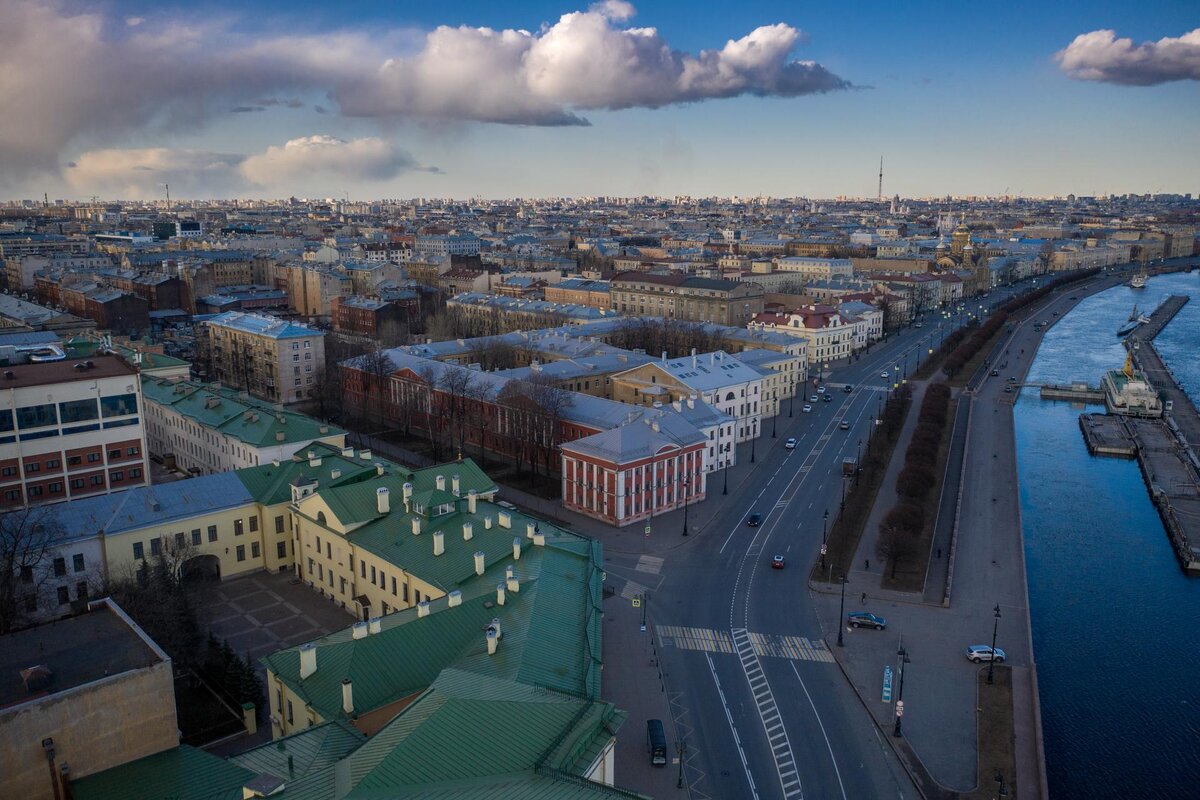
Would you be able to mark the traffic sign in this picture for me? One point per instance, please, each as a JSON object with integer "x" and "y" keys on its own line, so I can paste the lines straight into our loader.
{"x": 647, "y": 531}
{"x": 899, "y": 708}
{"x": 637, "y": 602}
{"x": 887, "y": 684}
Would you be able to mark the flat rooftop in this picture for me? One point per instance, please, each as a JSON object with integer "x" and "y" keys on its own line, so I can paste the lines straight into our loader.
{"x": 63, "y": 371}
{"x": 77, "y": 650}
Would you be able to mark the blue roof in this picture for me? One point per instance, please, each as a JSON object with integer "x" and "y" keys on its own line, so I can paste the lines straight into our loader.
{"x": 264, "y": 325}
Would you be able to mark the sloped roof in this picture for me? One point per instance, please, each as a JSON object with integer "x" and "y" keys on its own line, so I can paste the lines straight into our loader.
{"x": 181, "y": 773}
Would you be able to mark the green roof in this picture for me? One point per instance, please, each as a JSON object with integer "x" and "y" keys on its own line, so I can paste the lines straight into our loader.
{"x": 310, "y": 751}
{"x": 182, "y": 773}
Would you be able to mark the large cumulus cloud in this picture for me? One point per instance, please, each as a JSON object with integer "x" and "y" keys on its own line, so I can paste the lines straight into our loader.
{"x": 75, "y": 76}
{"x": 1101, "y": 56}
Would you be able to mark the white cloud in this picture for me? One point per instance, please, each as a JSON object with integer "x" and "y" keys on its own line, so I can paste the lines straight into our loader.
{"x": 141, "y": 173}
{"x": 81, "y": 77}
{"x": 1101, "y": 56}
{"x": 367, "y": 159}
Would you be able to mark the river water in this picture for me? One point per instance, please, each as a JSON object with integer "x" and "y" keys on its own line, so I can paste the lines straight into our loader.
{"x": 1116, "y": 623}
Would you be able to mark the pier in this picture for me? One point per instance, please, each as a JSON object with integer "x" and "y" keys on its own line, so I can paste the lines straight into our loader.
{"x": 1077, "y": 392}
{"x": 1107, "y": 435}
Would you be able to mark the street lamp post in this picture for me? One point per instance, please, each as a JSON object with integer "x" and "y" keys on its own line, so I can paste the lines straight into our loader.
{"x": 842, "y": 613}
{"x": 995, "y": 626}
{"x": 824, "y": 540}
{"x": 904, "y": 659}
{"x": 685, "y": 505}
{"x": 681, "y": 746}
{"x": 775, "y": 416}
{"x": 842, "y": 507}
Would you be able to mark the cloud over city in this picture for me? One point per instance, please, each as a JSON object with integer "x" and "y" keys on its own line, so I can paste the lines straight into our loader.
{"x": 1100, "y": 56}
{"x": 86, "y": 79}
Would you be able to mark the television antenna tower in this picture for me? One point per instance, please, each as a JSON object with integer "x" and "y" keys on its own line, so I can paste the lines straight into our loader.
{"x": 879, "y": 196}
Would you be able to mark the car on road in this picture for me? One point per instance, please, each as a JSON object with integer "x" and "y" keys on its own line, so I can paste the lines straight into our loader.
{"x": 807, "y": 408}
{"x": 778, "y": 562}
{"x": 865, "y": 619}
{"x": 995, "y": 373}
{"x": 883, "y": 375}
{"x": 754, "y": 520}
{"x": 981, "y": 652}
{"x": 790, "y": 444}
{"x": 1008, "y": 390}
{"x": 820, "y": 390}
{"x": 828, "y": 398}
{"x": 847, "y": 388}
{"x": 844, "y": 425}
{"x": 813, "y": 399}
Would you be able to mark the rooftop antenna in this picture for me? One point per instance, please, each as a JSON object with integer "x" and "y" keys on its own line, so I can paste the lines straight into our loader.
{"x": 879, "y": 197}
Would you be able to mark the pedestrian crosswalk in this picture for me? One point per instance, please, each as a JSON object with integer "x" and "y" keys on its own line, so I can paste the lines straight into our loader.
{"x": 650, "y": 564}
{"x": 768, "y": 645}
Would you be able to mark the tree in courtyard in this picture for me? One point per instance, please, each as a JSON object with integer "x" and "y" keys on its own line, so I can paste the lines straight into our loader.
{"x": 376, "y": 366}
{"x": 28, "y": 539}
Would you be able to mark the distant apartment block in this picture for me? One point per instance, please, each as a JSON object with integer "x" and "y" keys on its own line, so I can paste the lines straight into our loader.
{"x": 683, "y": 297}
{"x": 580, "y": 291}
{"x": 816, "y": 268}
{"x": 446, "y": 244}
{"x": 69, "y": 429}
{"x": 268, "y": 357}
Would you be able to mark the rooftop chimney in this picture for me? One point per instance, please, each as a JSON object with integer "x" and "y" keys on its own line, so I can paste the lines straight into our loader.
{"x": 365, "y": 455}
{"x": 487, "y": 522}
{"x": 347, "y": 696}
{"x": 472, "y": 499}
{"x": 479, "y": 558}
{"x": 454, "y": 598}
{"x": 539, "y": 539}
{"x": 374, "y": 625}
{"x": 516, "y": 549}
{"x": 416, "y": 526}
{"x": 468, "y": 531}
{"x": 439, "y": 543}
{"x": 314, "y": 462}
{"x": 693, "y": 358}
{"x": 512, "y": 584}
{"x": 529, "y": 526}
{"x": 423, "y": 608}
{"x": 493, "y": 639}
{"x": 348, "y": 452}
{"x": 359, "y": 630}
{"x": 499, "y": 594}
{"x": 308, "y": 660}
{"x": 382, "y": 501}
{"x": 455, "y": 485}
{"x": 505, "y": 519}
{"x": 440, "y": 482}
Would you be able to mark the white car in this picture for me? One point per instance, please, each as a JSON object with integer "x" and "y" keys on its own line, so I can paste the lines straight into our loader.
{"x": 981, "y": 652}
{"x": 807, "y": 408}
{"x": 813, "y": 399}
{"x": 820, "y": 390}
{"x": 883, "y": 375}
{"x": 790, "y": 444}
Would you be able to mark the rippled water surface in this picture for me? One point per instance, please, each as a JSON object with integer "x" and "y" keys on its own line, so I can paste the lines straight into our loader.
{"x": 1116, "y": 623}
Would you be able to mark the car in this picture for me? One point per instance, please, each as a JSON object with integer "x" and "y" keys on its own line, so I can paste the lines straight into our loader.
{"x": 847, "y": 388}
{"x": 807, "y": 408}
{"x": 995, "y": 373}
{"x": 883, "y": 374}
{"x": 1056, "y": 313}
{"x": 844, "y": 425}
{"x": 1008, "y": 390}
{"x": 790, "y": 444}
{"x": 919, "y": 325}
{"x": 828, "y": 398}
{"x": 813, "y": 399}
{"x": 1011, "y": 379}
{"x": 778, "y": 562}
{"x": 981, "y": 652}
{"x": 865, "y": 619}
{"x": 754, "y": 520}
{"x": 820, "y": 390}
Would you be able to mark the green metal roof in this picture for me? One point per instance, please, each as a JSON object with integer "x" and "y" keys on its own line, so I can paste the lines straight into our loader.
{"x": 182, "y": 773}
{"x": 311, "y": 750}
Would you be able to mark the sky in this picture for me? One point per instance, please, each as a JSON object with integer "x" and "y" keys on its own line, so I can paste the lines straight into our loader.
{"x": 405, "y": 98}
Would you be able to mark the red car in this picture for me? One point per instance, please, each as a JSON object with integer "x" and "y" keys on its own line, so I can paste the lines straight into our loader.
{"x": 777, "y": 562}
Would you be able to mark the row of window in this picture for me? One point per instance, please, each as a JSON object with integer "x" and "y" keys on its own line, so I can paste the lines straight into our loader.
{"x": 56, "y": 487}
{"x": 63, "y": 596}
{"x": 39, "y": 416}
{"x": 139, "y": 550}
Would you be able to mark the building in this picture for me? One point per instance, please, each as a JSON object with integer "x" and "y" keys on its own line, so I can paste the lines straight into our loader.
{"x": 69, "y": 429}
{"x": 683, "y": 297}
{"x": 830, "y": 334}
{"x": 816, "y": 268}
{"x": 379, "y": 320}
{"x": 79, "y": 696}
{"x": 21, "y": 271}
{"x": 445, "y": 245}
{"x": 268, "y": 357}
{"x": 202, "y": 429}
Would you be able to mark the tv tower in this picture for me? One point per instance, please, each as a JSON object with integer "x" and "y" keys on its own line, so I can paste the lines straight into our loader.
{"x": 879, "y": 196}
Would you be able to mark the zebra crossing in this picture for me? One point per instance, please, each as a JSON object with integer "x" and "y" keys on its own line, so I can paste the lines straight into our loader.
{"x": 765, "y": 645}
{"x": 768, "y": 712}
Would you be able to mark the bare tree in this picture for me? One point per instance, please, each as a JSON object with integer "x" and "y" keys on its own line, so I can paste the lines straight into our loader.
{"x": 27, "y": 553}
{"x": 552, "y": 402}
{"x": 480, "y": 393}
{"x": 894, "y": 545}
{"x": 455, "y": 386}
{"x": 327, "y": 391}
{"x": 429, "y": 406}
{"x": 376, "y": 367}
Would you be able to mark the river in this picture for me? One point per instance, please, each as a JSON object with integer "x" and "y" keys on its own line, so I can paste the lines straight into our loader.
{"x": 1116, "y": 623}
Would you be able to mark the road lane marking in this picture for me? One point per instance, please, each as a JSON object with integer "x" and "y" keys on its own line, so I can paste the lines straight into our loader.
{"x": 729, "y": 718}
{"x": 651, "y": 564}
{"x": 768, "y": 714}
{"x": 832, "y": 757}
{"x": 766, "y": 645}
{"x": 632, "y": 590}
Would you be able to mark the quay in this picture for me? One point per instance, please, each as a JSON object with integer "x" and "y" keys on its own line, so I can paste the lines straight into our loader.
{"x": 1078, "y": 392}
{"x": 1107, "y": 435}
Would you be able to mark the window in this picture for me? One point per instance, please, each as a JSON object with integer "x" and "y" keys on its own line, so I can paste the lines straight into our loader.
{"x": 241, "y": 552}
{"x": 81, "y": 590}
{"x": 372, "y": 574}
{"x": 64, "y": 596}
{"x": 179, "y": 540}
{"x": 155, "y": 546}
{"x": 393, "y": 586}
{"x": 132, "y": 451}
{"x": 30, "y": 603}
{"x": 36, "y": 416}
{"x": 53, "y": 463}
{"x": 118, "y": 475}
{"x": 77, "y": 562}
{"x": 138, "y": 552}
{"x": 196, "y": 537}
{"x": 254, "y": 551}
{"x": 281, "y": 549}
{"x": 363, "y": 566}
{"x": 114, "y": 453}
{"x": 60, "y": 566}
{"x": 238, "y": 527}
{"x": 33, "y": 466}
{"x": 35, "y": 491}
{"x": 6, "y": 420}
{"x": 136, "y": 472}
{"x": 118, "y": 405}
{"x": 74, "y": 461}
{"x": 404, "y": 591}
{"x": 289, "y": 712}
{"x": 8, "y": 472}
{"x": 417, "y": 596}
{"x": 93, "y": 458}
{"x": 279, "y": 524}
{"x": 97, "y": 480}
{"x": 212, "y": 533}
{"x": 253, "y": 524}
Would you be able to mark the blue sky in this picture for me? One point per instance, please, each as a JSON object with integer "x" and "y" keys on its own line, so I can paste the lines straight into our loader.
{"x": 958, "y": 100}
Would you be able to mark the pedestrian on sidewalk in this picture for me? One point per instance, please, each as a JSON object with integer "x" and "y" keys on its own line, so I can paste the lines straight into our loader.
{"x": 864, "y": 598}
{"x": 868, "y": 563}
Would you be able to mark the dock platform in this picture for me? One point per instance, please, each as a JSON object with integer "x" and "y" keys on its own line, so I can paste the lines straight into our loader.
{"x": 1106, "y": 435}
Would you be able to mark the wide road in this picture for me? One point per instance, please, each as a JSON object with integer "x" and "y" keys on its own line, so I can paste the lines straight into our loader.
{"x": 765, "y": 711}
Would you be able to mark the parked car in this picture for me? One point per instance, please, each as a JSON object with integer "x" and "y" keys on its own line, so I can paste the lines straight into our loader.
{"x": 995, "y": 373}
{"x": 777, "y": 562}
{"x": 813, "y": 399}
{"x": 883, "y": 374}
{"x": 865, "y": 619}
{"x": 820, "y": 390}
{"x": 807, "y": 408}
{"x": 754, "y": 520}
{"x": 981, "y": 652}
{"x": 844, "y": 425}
{"x": 790, "y": 444}
{"x": 1008, "y": 390}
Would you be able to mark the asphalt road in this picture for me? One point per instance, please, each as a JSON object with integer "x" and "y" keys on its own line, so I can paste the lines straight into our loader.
{"x": 764, "y": 710}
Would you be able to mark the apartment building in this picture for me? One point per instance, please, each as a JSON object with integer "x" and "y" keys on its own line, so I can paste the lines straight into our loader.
{"x": 830, "y": 334}
{"x": 687, "y": 298}
{"x": 268, "y": 357}
{"x": 69, "y": 429}
{"x": 816, "y": 268}
{"x": 203, "y": 429}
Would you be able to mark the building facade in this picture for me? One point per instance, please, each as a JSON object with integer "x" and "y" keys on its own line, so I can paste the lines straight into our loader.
{"x": 683, "y": 297}
{"x": 268, "y": 357}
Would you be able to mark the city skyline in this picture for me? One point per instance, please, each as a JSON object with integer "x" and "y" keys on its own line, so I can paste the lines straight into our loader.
{"x": 606, "y": 99}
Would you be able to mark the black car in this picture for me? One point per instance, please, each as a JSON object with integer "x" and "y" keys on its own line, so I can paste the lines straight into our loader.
{"x": 754, "y": 520}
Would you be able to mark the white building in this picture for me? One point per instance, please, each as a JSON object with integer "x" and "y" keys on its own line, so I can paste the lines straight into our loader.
{"x": 830, "y": 334}
{"x": 816, "y": 268}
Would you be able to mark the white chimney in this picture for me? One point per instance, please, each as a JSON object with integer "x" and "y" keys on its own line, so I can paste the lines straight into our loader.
{"x": 479, "y": 557}
{"x": 365, "y": 455}
{"x": 468, "y": 531}
{"x": 505, "y": 519}
{"x": 440, "y": 481}
{"x": 512, "y": 584}
{"x": 359, "y": 630}
{"x": 439, "y": 543}
{"x": 314, "y": 462}
{"x": 693, "y": 358}
{"x": 382, "y": 502}
{"x": 408, "y": 490}
{"x": 499, "y": 594}
{"x": 493, "y": 639}
{"x": 540, "y": 539}
{"x": 516, "y": 549}
{"x": 529, "y": 530}
{"x": 423, "y": 608}
{"x": 664, "y": 356}
{"x": 509, "y": 571}
{"x": 348, "y": 452}
{"x": 379, "y": 470}
{"x": 416, "y": 525}
{"x": 374, "y": 625}
{"x": 454, "y": 598}
{"x": 691, "y": 401}
{"x": 455, "y": 485}
{"x": 347, "y": 696}
{"x": 487, "y": 522}
{"x": 472, "y": 498}
{"x": 308, "y": 660}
